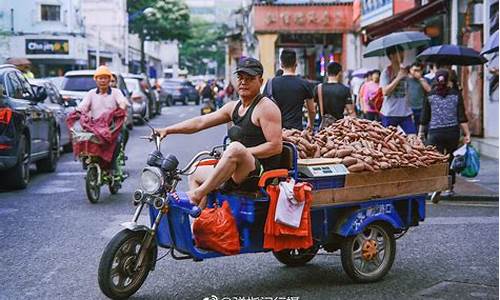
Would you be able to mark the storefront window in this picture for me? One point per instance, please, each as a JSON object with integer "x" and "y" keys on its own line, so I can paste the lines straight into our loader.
{"x": 51, "y": 12}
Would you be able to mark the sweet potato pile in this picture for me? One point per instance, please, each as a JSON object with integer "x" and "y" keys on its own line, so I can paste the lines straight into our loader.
{"x": 364, "y": 145}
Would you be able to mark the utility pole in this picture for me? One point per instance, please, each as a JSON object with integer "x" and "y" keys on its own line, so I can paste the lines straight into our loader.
{"x": 98, "y": 50}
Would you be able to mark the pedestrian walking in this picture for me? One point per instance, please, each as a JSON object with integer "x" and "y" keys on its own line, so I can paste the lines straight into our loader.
{"x": 396, "y": 110}
{"x": 333, "y": 97}
{"x": 371, "y": 92}
{"x": 417, "y": 90}
{"x": 431, "y": 74}
{"x": 443, "y": 113}
{"x": 290, "y": 92}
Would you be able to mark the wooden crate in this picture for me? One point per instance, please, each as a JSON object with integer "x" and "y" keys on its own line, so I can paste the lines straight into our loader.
{"x": 385, "y": 184}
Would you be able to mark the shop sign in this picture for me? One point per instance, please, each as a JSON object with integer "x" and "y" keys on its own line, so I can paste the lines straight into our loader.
{"x": 375, "y": 10}
{"x": 39, "y": 46}
{"x": 325, "y": 18}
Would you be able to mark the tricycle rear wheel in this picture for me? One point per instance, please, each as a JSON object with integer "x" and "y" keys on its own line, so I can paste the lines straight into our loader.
{"x": 116, "y": 275}
{"x": 369, "y": 255}
{"x": 296, "y": 257}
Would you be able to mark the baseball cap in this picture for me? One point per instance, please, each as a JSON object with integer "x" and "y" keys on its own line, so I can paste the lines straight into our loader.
{"x": 249, "y": 65}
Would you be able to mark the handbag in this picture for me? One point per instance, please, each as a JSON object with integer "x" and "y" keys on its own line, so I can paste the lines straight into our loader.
{"x": 288, "y": 209}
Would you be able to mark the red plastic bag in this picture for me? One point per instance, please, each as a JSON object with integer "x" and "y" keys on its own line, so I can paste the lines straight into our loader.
{"x": 215, "y": 229}
{"x": 279, "y": 236}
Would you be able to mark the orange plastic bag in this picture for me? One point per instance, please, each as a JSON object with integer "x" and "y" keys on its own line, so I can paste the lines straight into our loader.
{"x": 215, "y": 229}
{"x": 279, "y": 236}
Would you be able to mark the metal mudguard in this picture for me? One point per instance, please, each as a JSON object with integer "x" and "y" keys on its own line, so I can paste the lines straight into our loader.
{"x": 355, "y": 222}
{"x": 134, "y": 226}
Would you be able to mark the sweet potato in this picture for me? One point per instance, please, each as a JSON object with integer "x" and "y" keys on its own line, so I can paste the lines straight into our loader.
{"x": 358, "y": 167}
{"x": 349, "y": 161}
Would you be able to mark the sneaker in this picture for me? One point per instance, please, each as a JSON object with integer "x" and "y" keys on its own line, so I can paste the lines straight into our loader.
{"x": 448, "y": 193}
{"x": 436, "y": 196}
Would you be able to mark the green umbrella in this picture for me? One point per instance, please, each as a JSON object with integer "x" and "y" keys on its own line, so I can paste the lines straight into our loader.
{"x": 405, "y": 39}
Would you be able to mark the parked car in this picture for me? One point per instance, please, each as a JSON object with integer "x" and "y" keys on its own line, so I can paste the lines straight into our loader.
{"x": 76, "y": 84}
{"x": 57, "y": 81}
{"x": 28, "y": 129}
{"x": 180, "y": 90}
{"x": 147, "y": 89}
{"x": 140, "y": 107}
{"x": 55, "y": 103}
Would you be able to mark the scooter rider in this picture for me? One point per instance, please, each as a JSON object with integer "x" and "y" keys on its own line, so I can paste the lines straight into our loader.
{"x": 260, "y": 145}
{"x": 103, "y": 99}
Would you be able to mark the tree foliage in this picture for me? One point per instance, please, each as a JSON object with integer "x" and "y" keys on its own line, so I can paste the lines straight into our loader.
{"x": 159, "y": 20}
{"x": 205, "y": 44}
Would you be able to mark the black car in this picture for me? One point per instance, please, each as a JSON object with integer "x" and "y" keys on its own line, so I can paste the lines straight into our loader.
{"x": 179, "y": 90}
{"x": 27, "y": 129}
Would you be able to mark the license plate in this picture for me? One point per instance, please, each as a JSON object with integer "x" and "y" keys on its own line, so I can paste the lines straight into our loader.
{"x": 207, "y": 110}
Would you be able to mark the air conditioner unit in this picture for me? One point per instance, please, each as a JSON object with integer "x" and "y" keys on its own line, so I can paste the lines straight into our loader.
{"x": 477, "y": 14}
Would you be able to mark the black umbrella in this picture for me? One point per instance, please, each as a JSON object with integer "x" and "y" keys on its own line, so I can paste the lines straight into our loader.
{"x": 451, "y": 55}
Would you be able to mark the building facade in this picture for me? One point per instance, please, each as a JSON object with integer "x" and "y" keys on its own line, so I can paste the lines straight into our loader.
{"x": 48, "y": 32}
{"x": 458, "y": 22}
{"x": 318, "y": 31}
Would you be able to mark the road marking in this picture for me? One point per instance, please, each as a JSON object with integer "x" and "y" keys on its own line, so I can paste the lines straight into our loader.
{"x": 72, "y": 162}
{"x": 8, "y": 211}
{"x": 71, "y": 174}
{"x": 459, "y": 220}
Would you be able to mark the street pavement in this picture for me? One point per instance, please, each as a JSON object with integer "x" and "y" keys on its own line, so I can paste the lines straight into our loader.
{"x": 52, "y": 237}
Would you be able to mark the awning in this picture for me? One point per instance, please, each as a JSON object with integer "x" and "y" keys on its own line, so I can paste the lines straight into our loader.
{"x": 405, "y": 19}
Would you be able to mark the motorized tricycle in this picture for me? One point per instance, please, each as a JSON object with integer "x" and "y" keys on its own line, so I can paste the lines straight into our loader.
{"x": 365, "y": 231}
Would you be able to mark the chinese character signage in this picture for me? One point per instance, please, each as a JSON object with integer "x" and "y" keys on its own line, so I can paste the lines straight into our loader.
{"x": 375, "y": 10}
{"x": 39, "y": 46}
{"x": 303, "y": 19}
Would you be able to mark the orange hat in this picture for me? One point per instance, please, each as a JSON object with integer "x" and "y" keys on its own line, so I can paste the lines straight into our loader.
{"x": 102, "y": 70}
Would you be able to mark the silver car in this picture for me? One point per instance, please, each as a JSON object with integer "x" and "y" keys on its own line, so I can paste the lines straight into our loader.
{"x": 55, "y": 103}
{"x": 140, "y": 107}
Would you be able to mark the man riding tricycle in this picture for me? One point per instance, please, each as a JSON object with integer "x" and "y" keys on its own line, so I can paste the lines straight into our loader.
{"x": 99, "y": 137}
{"x": 234, "y": 200}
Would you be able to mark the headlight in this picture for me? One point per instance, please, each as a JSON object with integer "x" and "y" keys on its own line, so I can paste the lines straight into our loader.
{"x": 151, "y": 180}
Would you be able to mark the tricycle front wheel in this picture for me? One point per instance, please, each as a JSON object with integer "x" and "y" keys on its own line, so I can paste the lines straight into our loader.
{"x": 296, "y": 257}
{"x": 368, "y": 256}
{"x": 92, "y": 187}
{"x": 117, "y": 276}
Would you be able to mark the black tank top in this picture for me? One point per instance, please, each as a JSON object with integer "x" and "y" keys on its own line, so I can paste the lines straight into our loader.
{"x": 252, "y": 135}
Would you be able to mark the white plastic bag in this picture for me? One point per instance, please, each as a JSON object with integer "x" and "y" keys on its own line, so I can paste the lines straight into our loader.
{"x": 288, "y": 209}
{"x": 460, "y": 151}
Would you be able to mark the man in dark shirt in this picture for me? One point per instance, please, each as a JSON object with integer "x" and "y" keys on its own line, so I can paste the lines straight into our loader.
{"x": 336, "y": 96}
{"x": 289, "y": 91}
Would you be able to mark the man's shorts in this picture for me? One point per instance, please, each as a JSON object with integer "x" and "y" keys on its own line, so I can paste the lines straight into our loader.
{"x": 250, "y": 184}
{"x": 406, "y": 123}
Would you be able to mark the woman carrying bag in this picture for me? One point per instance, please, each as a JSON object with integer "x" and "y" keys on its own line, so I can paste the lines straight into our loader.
{"x": 443, "y": 113}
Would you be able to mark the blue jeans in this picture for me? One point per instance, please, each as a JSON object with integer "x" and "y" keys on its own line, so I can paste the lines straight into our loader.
{"x": 406, "y": 123}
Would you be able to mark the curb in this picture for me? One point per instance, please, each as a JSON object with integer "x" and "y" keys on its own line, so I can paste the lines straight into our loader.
{"x": 479, "y": 198}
